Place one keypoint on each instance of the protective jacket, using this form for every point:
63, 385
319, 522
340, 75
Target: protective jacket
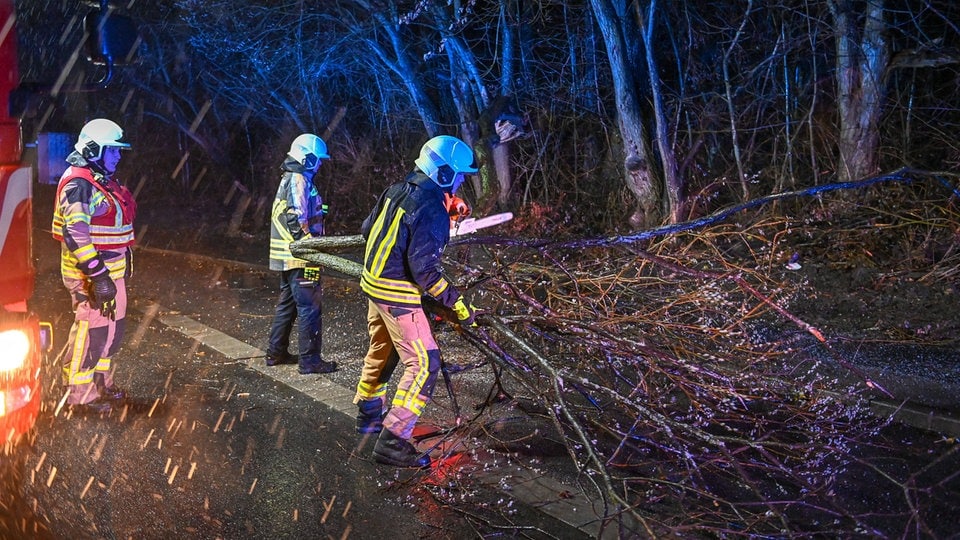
297, 212
405, 236
93, 218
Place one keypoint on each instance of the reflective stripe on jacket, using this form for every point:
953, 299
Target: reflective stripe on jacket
93, 214
405, 236
297, 208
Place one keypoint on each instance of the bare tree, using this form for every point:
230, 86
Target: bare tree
863, 54
640, 175
671, 177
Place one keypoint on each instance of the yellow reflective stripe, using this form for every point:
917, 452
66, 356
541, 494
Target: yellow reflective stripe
438, 287
103, 365
71, 272
389, 298
386, 242
85, 253
399, 285
410, 399
80, 377
390, 290
76, 217
280, 209
116, 265
375, 229
280, 249
72, 371
386, 245
416, 406
68, 267
392, 298
101, 235
370, 391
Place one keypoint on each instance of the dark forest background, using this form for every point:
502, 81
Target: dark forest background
630, 113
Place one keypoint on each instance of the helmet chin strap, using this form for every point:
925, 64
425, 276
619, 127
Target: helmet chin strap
97, 166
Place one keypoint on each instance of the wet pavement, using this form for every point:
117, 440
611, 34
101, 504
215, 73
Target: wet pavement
214, 444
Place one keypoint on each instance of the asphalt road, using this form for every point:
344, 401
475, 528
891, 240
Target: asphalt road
213, 444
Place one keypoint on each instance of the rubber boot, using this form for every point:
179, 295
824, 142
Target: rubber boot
392, 450
370, 416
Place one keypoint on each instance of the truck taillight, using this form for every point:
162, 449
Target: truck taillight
14, 348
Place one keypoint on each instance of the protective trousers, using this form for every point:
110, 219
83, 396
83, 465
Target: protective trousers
399, 335
94, 339
300, 300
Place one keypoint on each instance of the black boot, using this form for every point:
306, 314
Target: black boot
112, 393
308, 367
392, 450
370, 416
281, 358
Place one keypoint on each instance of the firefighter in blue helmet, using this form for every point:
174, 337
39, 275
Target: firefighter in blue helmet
405, 236
93, 219
298, 213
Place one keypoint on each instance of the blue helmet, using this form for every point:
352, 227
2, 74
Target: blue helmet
308, 150
449, 151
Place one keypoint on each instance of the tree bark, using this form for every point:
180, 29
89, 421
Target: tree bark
639, 177
862, 57
672, 182
509, 17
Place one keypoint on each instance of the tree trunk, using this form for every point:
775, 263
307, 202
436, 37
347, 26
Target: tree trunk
639, 175
475, 106
509, 18
862, 58
672, 182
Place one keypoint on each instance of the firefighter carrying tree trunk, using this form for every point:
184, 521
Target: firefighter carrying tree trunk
93, 220
405, 236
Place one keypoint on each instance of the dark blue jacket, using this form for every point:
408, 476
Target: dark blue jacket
406, 233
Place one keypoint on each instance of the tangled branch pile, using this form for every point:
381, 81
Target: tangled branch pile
672, 370
653, 364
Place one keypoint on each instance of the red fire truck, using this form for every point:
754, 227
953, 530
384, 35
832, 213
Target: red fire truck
23, 338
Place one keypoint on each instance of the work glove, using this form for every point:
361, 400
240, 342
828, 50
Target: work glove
457, 208
103, 295
465, 313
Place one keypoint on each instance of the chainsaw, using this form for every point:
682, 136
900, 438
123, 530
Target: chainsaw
471, 225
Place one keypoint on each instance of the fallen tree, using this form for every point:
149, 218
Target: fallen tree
668, 360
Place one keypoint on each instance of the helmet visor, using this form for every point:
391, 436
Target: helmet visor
457, 181
311, 161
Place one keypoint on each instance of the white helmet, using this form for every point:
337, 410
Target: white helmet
308, 150
449, 151
95, 135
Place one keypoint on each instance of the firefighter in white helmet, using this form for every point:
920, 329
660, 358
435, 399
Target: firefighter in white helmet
297, 213
405, 236
93, 220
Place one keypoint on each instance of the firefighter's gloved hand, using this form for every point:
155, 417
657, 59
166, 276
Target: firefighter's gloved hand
457, 208
103, 295
465, 313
